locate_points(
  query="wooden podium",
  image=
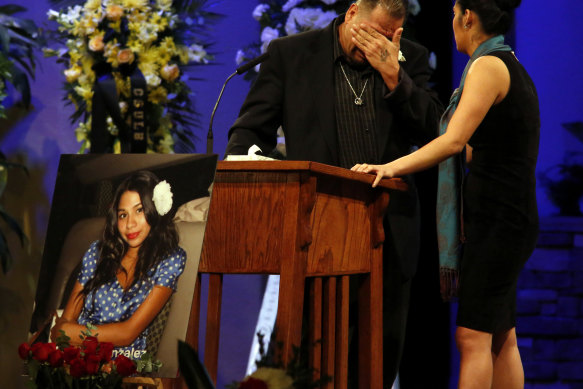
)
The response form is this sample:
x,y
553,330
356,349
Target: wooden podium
x,y
303,221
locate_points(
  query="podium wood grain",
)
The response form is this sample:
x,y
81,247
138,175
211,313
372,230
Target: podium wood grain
x,y
304,221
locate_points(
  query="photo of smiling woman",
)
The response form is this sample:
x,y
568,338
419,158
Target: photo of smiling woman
x,y
129,275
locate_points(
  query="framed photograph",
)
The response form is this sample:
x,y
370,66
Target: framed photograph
x,y
123,245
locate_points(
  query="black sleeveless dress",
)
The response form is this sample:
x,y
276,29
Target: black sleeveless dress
x,y
499,205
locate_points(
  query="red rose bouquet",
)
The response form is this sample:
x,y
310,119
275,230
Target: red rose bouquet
x,y
63,366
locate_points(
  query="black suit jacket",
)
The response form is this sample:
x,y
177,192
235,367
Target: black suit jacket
x,y
295,89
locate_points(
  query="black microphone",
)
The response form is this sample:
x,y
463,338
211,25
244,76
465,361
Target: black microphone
x,y
240,70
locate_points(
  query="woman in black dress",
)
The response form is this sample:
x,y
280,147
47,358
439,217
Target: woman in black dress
x,y
496,120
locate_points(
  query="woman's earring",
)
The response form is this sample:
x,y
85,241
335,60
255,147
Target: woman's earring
x,y
466,26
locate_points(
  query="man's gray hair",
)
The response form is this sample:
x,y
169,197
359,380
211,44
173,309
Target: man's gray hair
x,y
396,8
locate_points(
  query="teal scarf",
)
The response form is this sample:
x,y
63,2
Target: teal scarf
x,y
449,201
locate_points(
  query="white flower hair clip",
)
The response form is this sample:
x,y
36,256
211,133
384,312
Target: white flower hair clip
x,y
162,197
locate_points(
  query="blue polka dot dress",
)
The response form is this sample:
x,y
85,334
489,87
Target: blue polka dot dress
x,y
111,304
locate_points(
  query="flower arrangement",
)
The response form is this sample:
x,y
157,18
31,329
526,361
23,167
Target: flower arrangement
x,y
270,373
61,365
279,18
119,39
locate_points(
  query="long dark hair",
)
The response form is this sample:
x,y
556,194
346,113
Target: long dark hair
x,y
159,244
495,15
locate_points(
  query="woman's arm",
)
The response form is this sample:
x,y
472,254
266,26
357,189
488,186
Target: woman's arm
x,y
71,312
487,83
125,332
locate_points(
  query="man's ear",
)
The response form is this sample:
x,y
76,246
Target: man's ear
x,y
351,13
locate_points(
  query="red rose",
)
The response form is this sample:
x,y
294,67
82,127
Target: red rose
x,y
125,366
253,383
24,350
90,344
56,358
71,353
92,363
105,351
41,351
78,367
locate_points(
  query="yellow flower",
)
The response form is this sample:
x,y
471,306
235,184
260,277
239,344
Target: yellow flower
x,y
273,378
164,5
166,144
135,45
110,53
159,22
73,73
138,4
170,72
183,54
92,5
158,95
87,65
149,55
96,43
86,92
116,146
125,56
114,12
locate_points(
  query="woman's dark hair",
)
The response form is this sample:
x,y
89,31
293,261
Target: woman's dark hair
x,y
495,15
159,244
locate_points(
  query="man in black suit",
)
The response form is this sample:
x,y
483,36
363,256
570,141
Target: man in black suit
x,y
352,92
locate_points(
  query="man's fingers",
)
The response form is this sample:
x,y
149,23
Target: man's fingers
x,y
397,37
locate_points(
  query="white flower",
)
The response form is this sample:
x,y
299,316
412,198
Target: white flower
x,y
290,4
401,57
433,61
197,53
162,197
307,19
240,57
414,7
152,80
268,34
260,10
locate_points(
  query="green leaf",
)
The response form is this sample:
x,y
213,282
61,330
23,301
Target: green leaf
x,y
4,39
11,9
194,373
14,226
21,84
5,257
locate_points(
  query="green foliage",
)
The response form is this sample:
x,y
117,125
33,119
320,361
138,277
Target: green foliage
x,y
5,256
18,40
